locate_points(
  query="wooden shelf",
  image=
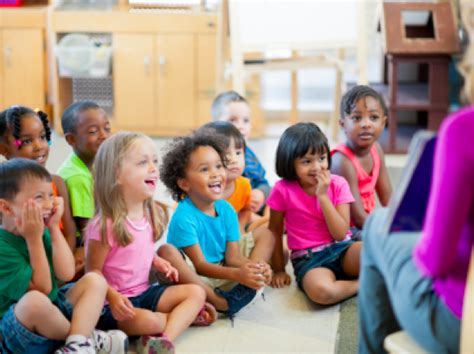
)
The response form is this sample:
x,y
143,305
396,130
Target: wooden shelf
x,y
410,96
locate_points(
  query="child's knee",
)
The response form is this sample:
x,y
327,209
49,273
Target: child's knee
x,y
93,280
197,292
321,294
34,304
168,252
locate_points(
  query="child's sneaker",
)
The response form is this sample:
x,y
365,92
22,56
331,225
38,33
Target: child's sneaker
x,y
113,342
238,297
77,347
155,344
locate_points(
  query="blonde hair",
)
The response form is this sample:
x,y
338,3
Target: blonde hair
x,y
109,200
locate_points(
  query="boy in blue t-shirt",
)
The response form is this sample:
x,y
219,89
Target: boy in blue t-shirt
x,y
232,107
206,229
36,316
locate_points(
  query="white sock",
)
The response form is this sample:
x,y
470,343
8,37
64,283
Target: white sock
x,y
79,338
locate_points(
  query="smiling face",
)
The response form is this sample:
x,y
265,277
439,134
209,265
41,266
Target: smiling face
x,y
32,145
39,190
365,123
205,177
238,113
309,166
235,161
138,173
92,128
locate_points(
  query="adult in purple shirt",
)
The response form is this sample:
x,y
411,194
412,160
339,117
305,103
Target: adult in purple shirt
x,y
416,280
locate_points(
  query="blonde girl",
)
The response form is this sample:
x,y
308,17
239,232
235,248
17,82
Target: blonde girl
x,y
120,242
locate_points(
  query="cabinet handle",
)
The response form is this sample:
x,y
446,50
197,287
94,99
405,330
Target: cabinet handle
x,y
8,54
146,64
162,62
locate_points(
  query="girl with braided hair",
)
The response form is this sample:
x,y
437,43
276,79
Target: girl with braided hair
x,y
25,133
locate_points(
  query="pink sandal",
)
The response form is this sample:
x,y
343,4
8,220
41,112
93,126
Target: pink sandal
x,y
206,316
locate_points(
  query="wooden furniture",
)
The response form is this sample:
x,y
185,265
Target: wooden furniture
x,y
163,66
329,53
23,70
401,343
428,45
431,96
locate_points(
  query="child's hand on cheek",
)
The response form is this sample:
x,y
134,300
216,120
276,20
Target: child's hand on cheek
x,y
30,225
323,178
56,212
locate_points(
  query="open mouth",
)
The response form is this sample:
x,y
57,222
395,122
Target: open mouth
x,y
216,187
40,159
151,182
46,218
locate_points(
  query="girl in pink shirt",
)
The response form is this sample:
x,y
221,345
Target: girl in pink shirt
x,y
120,244
360,160
313,206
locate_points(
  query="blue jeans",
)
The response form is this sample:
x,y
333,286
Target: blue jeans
x,y
394,295
147,300
330,257
18,339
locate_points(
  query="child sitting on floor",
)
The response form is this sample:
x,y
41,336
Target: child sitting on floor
x,y
313,206
26,133
120,242
231,107
360,160
206,229
36,316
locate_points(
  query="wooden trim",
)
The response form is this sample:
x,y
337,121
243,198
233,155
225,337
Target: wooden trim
x,y
27,17
125,22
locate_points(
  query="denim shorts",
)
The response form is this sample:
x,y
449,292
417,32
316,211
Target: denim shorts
x,y
147,300
18,339
329,257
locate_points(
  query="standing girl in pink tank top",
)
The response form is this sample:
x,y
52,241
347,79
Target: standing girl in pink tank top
x,y
360,160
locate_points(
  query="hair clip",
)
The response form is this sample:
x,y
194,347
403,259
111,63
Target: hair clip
x,y
18,142
50,142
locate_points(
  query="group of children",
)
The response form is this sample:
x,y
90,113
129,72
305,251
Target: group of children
x,y
97,223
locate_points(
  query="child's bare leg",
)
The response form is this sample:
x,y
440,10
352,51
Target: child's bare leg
x,y
145,322
87,296
321,286
189,276
38,314
264,244
182,303
351,260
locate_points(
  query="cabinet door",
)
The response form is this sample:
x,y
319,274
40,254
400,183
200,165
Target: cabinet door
x,y
2,106
23,68
134,81
176,81
206,66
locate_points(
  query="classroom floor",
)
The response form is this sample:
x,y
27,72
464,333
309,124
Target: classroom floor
x,y
286,322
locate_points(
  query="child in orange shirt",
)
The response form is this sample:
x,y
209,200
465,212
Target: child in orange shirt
x,y
238,190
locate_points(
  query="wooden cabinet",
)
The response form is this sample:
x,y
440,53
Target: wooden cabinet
x,y
154,81
163,68
23,58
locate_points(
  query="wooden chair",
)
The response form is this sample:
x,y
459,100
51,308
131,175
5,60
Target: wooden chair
x,y
401,343
232,47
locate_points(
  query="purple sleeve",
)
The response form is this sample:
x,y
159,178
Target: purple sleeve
x,y
276,200
450,196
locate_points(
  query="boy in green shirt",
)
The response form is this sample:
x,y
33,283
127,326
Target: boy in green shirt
x,y
86,126
36,316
